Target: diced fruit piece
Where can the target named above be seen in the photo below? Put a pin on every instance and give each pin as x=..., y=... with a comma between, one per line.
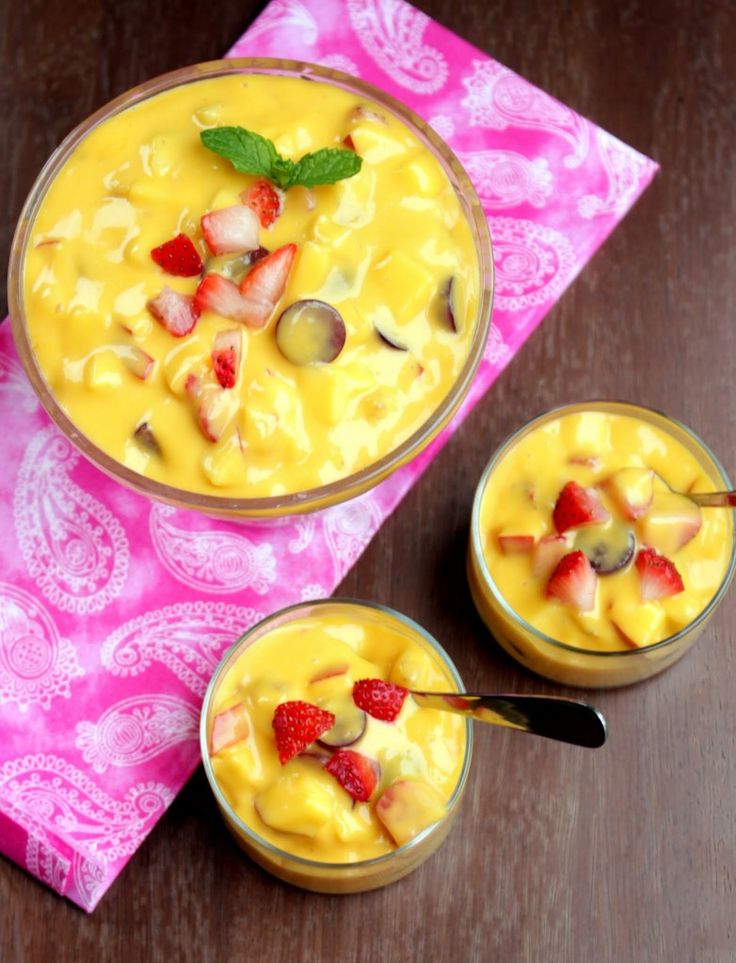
x=231, y=230
x=350, y=723
x=266, y=200
x=297, y=724
x=576, y=506
x=301, y=800
x=547, y=553
x=227, y=349
x=609, y=548
x=414, y=670
x=178, y=256
x=380, y=699
x=310, y=332
x=408, y=807
x=670, y=522
x=349, y=143
x=264, y=284
x=216, y=407
x=632, y=490
x=573, y=582
x=221, y=296
x=329, y=672
x=447, y=304
x=659, y=576
x=364, y=112
x=587, y=461
x=177, y=312
x=251, y=257
x=355, y=772
x=229, y=727
x=139, y=362
x=146, y=439
x=389, y=340
x=638, y=624
x=515, y=544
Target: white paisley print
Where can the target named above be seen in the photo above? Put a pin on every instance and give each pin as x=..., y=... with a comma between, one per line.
x=534, y=264
x=75, y=549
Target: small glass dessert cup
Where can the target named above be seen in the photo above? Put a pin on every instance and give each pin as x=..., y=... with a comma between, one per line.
x=323, y=858
x=132, y=458
x=627, y=633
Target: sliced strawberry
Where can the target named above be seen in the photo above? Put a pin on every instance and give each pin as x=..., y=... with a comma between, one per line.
x=573, y=582
x=177, y=312
x=516, y=544
x=349, y=143
x=382, y=700
x=264, y=284
x=266, y=200
x=227, y=349
x=576, y=506
x=229, y=727
x=178, y=256
x=296, y=725
x=355, y=772
x=221, y=296
x=659, y=576
x=547, y=553
x=231, y=230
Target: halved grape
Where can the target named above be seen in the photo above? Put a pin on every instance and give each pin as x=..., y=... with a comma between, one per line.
x=350, y=723
x=389, y=340
x=609, y=548
x=310, y=332
x=146, y=439
x=447, y=306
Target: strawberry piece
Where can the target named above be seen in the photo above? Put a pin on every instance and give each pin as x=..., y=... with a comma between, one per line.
x=231, y=230
x=296, y=725
x=659, y=576
x=264, y=284
x=349, y=143
x=221, y=296
x=177, y=312
x=355, y=772
x=576, y=506
x=139, y=362
x=382, y=700
x=265, y=200
x=547, y=553
x=179, y=257
x=573, y=582
x=226, y=352
x=229, y=727
x=516, y=544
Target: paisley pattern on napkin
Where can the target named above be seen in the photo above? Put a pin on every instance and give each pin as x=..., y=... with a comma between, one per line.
x=115, y=611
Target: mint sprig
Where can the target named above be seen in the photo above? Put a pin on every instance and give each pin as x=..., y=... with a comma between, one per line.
x=250, y=153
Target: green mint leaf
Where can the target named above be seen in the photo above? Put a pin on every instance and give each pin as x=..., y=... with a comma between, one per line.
x=248, y=152
x=326, y=166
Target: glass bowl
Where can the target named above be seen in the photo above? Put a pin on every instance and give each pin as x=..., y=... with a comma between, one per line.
x=317, y=875
x=299, y=501
x=551, y=657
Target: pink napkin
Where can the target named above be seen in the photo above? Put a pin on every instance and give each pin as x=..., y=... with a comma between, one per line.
x=113, y=610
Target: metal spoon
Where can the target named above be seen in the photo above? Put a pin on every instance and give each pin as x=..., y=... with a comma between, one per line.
x=555, y=718
x=712, y=499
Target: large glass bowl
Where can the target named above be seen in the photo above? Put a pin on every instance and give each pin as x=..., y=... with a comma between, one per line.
x=299, y=501
x=552, y=657
x=316, y=875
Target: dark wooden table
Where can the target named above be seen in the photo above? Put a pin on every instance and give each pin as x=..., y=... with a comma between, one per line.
x=627, y=855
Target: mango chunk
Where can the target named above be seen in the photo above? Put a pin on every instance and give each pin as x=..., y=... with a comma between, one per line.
x=408, y=286
x=298, y=801
x=639, y=624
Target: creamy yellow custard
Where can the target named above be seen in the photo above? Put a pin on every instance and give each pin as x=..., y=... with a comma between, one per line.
x=299, y=806
x=608, y=453
x=380, y=247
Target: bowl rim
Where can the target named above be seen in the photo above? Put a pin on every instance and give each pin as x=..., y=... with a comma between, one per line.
x=612, y=407
x=322, y=495
x=289, y=613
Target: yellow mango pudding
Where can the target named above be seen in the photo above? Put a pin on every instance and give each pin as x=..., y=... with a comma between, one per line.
x=325, y=769
x=587, y=560
x=251, y=287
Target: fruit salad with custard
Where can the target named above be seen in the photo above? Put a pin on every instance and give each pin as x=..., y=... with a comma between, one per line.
x=319, y=749
x=250, y=285
x=588, y=534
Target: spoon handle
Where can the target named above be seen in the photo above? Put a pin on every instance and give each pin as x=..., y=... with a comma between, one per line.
x=713, y=499
x=555, y=718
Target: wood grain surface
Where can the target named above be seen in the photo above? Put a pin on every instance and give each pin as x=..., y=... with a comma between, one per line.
x=624, y=855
